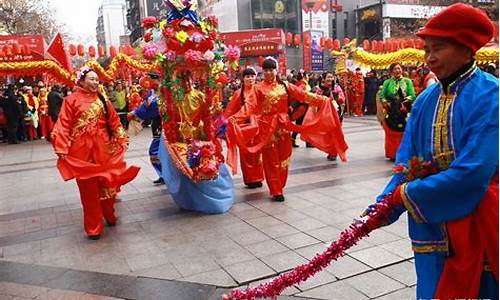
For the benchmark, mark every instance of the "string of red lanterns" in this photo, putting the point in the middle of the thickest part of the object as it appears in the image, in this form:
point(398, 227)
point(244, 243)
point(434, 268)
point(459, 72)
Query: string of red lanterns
point(389, 45)
point(100, 51)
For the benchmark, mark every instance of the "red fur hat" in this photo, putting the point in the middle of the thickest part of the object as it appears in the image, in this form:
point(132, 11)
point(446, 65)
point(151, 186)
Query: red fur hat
point(461, 23)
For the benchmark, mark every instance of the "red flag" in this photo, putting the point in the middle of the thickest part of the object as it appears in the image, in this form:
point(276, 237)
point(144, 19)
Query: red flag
point(57, 52)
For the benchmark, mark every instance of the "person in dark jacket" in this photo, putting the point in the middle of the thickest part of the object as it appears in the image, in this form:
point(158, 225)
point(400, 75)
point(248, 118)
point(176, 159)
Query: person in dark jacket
point(12, 112)
point(54, 100)
point(372, 84)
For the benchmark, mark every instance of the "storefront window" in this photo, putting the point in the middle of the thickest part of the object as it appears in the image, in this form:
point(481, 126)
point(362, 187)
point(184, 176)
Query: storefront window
point(370, 23)
point(276, 14)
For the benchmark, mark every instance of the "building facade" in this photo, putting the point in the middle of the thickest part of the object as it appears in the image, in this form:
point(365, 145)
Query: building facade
point(376, 19)
point(111, 23)
point(137, 10)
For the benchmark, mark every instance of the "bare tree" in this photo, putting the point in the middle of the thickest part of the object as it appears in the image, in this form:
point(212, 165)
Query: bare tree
point(28, 17)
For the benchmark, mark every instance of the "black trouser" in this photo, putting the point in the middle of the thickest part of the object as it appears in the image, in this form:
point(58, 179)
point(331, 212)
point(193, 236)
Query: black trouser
point(298, 122)
point(12, 132)
point(21, 130)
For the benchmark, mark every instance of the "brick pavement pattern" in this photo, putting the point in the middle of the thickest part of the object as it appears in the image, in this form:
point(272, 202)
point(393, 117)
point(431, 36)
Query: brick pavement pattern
point(158, 249)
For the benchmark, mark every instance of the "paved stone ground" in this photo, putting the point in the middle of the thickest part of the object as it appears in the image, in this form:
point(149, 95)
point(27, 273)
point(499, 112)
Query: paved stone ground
point(158, 251)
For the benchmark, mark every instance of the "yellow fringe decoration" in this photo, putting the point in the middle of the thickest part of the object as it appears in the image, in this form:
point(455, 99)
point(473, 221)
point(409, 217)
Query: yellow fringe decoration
point(407, 56)
point(61, 74)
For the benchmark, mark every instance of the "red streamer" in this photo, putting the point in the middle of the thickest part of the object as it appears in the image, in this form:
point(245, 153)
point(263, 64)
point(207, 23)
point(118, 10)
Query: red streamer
point(378, 216)
point(347, 239)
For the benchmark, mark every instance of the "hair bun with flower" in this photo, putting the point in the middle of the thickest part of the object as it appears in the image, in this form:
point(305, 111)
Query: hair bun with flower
point(82, 72)
point(273, 59)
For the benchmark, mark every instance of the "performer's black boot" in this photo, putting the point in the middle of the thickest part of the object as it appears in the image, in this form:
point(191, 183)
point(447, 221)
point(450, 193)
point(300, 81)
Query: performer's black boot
point(278, 198)
point(254, 185)
point(331, 157)
point(159, 181)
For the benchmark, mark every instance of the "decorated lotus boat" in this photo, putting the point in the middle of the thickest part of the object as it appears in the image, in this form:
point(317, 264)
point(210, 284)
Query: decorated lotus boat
point(193, 63)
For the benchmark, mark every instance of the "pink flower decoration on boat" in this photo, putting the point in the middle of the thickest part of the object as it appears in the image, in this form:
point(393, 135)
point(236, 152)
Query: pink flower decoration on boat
point(209, 55)
point(192, 56)
point(232, 53)
point(150, 51)
point(170, 55)
point(197, 37)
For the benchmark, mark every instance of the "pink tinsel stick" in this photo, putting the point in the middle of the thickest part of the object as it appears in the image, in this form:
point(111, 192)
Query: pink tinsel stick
point(347, 239)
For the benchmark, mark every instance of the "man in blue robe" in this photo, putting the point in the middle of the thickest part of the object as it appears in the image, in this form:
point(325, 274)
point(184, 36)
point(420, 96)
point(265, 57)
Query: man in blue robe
point(148, 111)
point(454, 124)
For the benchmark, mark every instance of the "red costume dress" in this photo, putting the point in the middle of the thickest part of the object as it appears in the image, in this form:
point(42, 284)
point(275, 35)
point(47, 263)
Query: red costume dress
point(251, 163)
point(32, 121)
point(45, 120)
point(94, 147)
point(270, 128)
point(358, 94)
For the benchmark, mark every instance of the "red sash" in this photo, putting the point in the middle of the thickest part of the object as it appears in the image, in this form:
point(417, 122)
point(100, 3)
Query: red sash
point(473, 239)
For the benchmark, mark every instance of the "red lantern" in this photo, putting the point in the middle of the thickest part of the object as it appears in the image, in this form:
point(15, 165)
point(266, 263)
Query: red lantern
point(296, 40)
point(92, 51)
point(27, 50)
point(336, 44)
point(121, 49)
point(366, 45)
point(289, 39)
point(322, 42)
point(381, 46)
point(2, 54)
point(416, 43)
point(307, 39)
point(388, 45)
point(373, 47)
point(112, 51)
point(398, 44)
point(72, 50)
point(80, 50)
point(100, 51)
point(346, 41)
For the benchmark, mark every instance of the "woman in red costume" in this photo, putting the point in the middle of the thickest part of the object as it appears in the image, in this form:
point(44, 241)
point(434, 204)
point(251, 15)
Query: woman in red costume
point(332, 90)
point(268, 113)
point(135, 99)
point(90, 142)
point(251, 163)
point(43, 114)
point(32, 103)
point(358, 83)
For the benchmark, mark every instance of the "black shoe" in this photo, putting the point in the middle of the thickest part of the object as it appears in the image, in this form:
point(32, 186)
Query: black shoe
point(94, 237)
point(278, 198)
point(332, 157)
point(309, 145)
point(254, 185)
point(159, 181)
point(111, 224)
point(295, 145)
